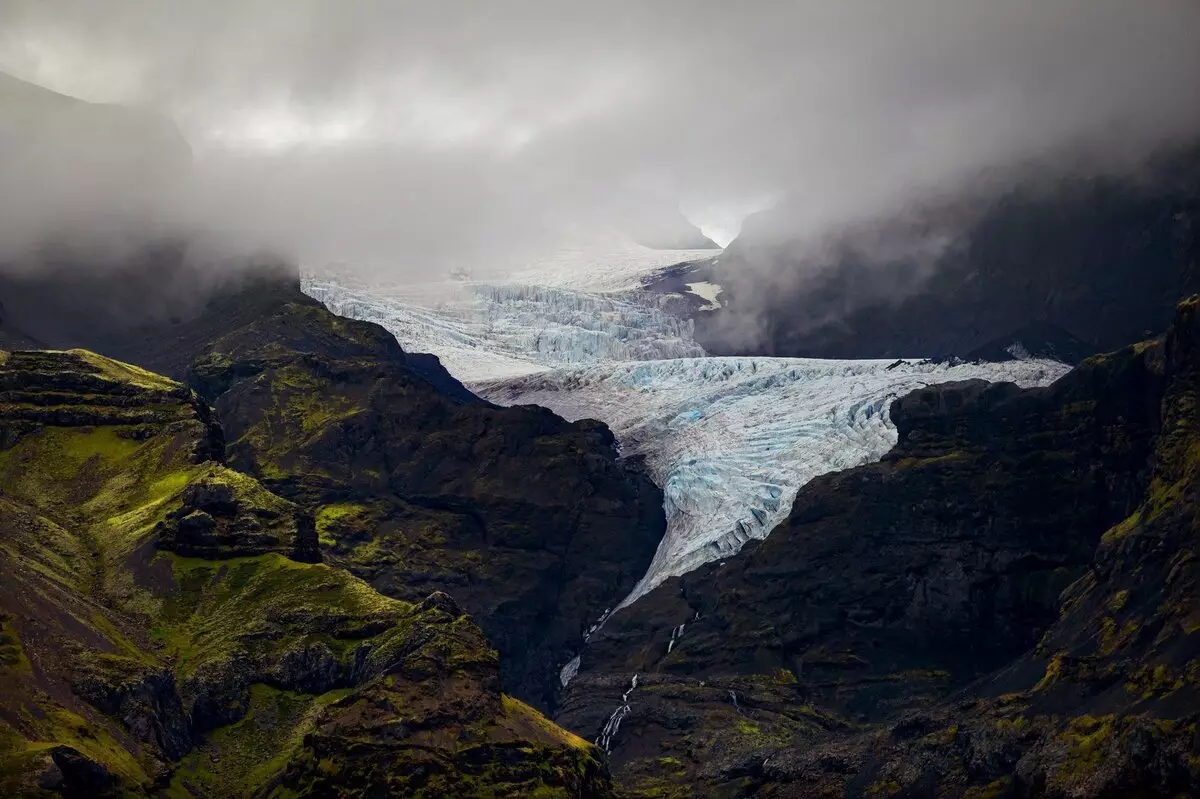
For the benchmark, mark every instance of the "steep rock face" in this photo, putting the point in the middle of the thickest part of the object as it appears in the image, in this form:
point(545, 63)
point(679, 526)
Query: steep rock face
point(1106, 704)
point(220, 668)
point(1103, 259)
point(889, 587)
point(532, 523)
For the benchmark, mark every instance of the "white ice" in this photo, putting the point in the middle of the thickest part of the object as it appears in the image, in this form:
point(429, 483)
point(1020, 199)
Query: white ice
point(729, 440)
point(485, 331)
point(709, 292)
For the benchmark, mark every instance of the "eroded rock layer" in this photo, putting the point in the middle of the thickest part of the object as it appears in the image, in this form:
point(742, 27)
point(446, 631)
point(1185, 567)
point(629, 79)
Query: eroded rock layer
point(165, 631)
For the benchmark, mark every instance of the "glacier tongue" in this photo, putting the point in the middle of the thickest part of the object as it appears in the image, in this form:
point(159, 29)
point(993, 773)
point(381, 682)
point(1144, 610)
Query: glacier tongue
point(731, 440)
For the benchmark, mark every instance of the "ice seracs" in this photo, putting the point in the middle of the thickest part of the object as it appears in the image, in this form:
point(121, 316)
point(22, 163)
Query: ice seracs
point(488, 330)
point(731, 440)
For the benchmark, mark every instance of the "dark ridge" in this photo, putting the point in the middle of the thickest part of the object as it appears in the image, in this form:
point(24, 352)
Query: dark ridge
point(1103, 258)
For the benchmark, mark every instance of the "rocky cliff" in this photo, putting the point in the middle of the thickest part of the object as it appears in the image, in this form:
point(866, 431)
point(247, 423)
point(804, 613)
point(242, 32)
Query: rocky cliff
point(534, 524)
point(1004, 606)
point(165, 629)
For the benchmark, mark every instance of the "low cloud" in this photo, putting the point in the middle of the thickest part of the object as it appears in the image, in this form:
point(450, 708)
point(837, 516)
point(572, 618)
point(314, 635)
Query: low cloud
point(410, 137)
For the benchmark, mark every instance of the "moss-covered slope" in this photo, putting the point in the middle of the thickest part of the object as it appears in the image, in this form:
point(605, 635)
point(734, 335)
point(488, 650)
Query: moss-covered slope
point(531, 522)
point(165, 631)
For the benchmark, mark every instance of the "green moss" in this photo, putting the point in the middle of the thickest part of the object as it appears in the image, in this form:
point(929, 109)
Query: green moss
point(1087, 739)
point(237, 604)
point(524, 714)
point(748, 727)
point(888, 787)
point(784, 676)
point(1054, 672)
point(1149, 682)
point(1013, 725)
point(300, 407)
point(992, 790)
point(13, 662)
point(329, 516)
point(239, 759)
point(61, 727)
point(120, 372)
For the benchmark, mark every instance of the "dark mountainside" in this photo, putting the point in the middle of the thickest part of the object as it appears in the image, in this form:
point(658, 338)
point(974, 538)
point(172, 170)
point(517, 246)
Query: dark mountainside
point(1006, 605)
point(255, 588)
point(165, 631)
point(531, 522)
point(1100, 260)
point(170, 552)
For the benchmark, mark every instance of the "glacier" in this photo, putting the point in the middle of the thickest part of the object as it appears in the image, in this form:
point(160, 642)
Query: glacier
point(492, 330)
point(729, 440)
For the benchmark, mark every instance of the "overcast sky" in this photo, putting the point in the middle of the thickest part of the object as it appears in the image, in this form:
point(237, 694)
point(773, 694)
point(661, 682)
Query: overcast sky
point(418, 133)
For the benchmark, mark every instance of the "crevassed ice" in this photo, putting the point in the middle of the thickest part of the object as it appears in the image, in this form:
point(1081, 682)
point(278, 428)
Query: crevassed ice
point(487, 331)
point(731, 440)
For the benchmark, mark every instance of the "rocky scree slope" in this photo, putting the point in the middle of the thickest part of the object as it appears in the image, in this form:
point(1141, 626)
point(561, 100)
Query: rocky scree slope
point(164, 631)
point(1006, 605)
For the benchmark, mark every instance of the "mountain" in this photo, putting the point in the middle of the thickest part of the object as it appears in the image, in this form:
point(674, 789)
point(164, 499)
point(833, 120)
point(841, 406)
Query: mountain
point(1104, 260)
point(167, 629)
point(731, 440)
point(534, 524)
point(284, 573)
point(78, 171)
point(660, 230)
point(1005, 605)
point(402, 482)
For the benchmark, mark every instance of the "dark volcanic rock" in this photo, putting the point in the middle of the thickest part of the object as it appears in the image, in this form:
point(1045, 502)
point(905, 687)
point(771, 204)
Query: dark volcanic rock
point(534, 524)
point(223, 516)
point(892, 585)
point(159, 635)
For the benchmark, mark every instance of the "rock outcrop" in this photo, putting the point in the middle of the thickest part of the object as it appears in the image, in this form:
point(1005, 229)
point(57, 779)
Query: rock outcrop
point(1004, 606)
point(534, 524)
point(163, 633)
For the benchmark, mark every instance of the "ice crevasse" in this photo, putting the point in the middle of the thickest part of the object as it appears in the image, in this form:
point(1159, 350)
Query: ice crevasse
point(729, 440)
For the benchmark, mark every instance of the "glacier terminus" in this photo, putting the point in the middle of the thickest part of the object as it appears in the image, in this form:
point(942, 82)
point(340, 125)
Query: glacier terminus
point(729, 440)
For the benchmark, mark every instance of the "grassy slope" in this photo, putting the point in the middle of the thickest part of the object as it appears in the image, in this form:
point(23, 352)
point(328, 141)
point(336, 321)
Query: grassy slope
point(195, 677)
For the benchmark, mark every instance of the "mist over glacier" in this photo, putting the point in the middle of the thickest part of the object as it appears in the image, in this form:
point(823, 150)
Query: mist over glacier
point(729, 440)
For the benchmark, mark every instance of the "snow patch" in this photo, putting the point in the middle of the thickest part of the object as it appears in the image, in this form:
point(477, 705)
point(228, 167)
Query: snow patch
point(569, 671)
point(709, 292)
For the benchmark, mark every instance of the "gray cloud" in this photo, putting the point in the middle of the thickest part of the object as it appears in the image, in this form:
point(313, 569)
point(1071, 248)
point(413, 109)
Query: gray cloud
point(412, 135)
